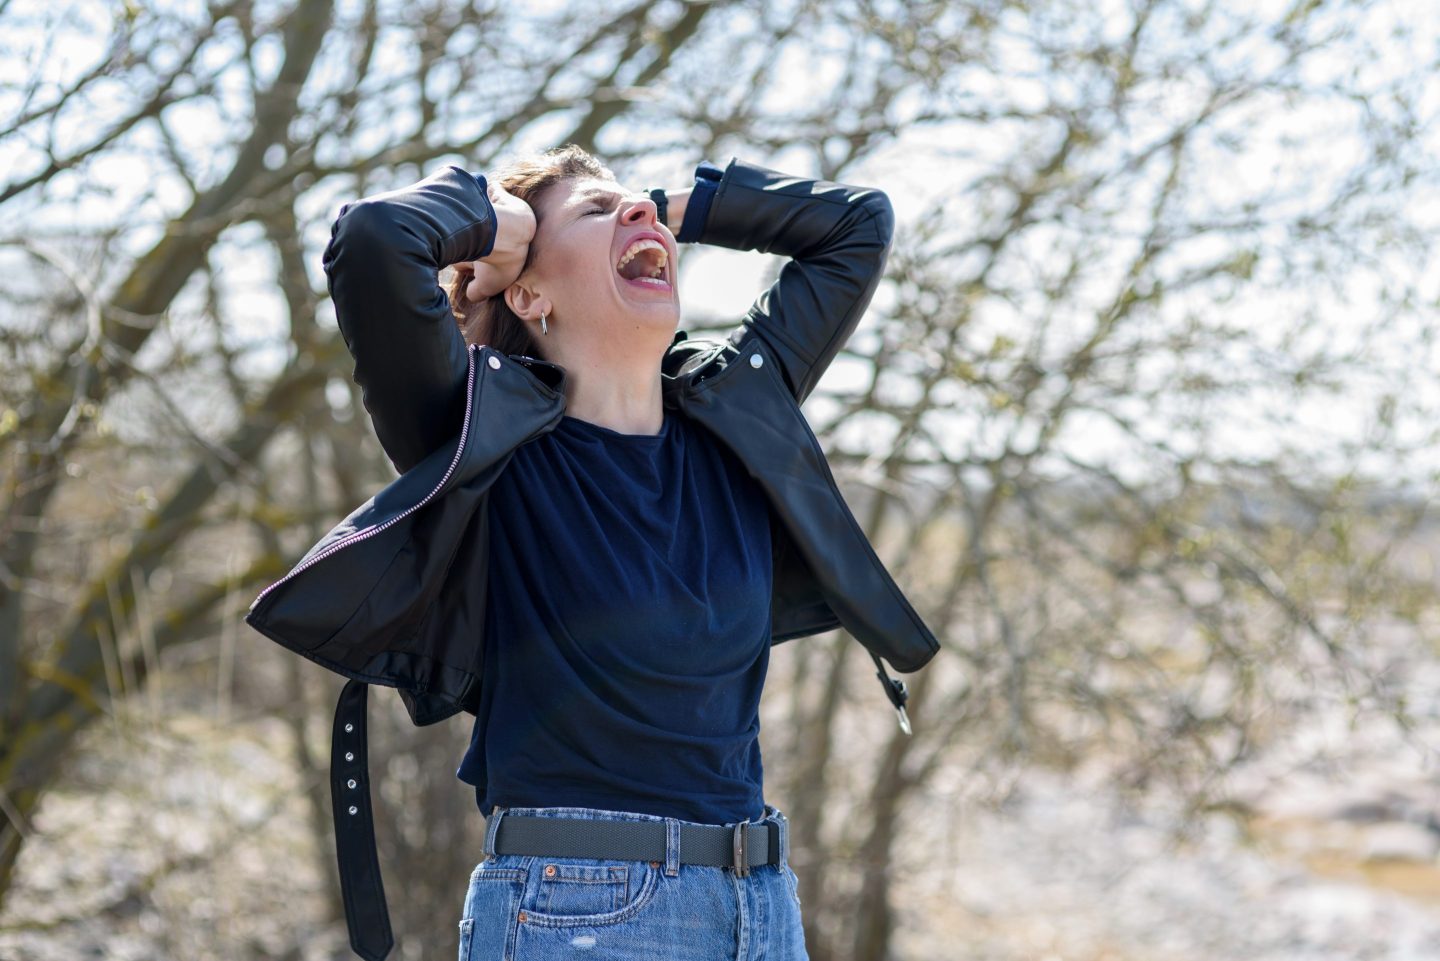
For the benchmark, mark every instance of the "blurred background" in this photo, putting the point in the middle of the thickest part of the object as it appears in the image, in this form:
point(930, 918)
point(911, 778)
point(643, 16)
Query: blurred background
point(1143, 418)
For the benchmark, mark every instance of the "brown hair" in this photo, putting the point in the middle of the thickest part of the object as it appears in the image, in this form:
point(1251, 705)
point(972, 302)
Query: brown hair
point(491, 321)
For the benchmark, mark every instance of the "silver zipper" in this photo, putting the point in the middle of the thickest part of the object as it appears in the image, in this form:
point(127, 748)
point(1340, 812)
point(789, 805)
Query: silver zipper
point(360, 535)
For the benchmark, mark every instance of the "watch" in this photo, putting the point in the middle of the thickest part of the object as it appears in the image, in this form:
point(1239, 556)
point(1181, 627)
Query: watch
point(662, 204)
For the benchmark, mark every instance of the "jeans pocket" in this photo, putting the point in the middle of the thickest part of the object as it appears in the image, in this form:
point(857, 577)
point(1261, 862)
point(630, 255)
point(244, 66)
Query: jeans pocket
point(467, 934)
point(492, 904)
point(589, 891)
point(794, 880)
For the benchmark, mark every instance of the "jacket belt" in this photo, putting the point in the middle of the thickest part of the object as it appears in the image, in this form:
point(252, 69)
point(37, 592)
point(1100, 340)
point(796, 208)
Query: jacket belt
point(366, 914)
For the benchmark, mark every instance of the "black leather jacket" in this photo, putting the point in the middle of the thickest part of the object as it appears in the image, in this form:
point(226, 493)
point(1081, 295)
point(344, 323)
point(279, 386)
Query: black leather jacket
point(394, 594)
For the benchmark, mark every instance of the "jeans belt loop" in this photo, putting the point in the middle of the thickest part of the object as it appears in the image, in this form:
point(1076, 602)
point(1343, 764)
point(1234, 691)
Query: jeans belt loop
point(784, 838)
point(492, 828)
point(672, 847)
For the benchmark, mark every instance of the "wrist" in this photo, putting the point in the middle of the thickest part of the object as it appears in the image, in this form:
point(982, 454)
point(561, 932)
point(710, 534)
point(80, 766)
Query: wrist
point(697, 208)
point(676, 203)
point(490, 215)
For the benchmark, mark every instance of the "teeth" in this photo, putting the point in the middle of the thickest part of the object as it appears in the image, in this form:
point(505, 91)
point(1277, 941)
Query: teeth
point(645, 244)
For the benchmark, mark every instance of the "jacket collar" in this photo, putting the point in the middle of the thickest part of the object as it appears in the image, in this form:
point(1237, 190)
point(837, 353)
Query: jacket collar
point(680, 360)
point(550, 374)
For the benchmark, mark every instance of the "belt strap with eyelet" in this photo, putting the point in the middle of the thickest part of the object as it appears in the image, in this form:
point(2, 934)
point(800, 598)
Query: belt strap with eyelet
point(366, 914)
point(741, 846)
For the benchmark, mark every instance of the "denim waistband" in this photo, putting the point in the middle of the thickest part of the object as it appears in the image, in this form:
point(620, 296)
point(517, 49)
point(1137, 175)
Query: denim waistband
point(672, 825)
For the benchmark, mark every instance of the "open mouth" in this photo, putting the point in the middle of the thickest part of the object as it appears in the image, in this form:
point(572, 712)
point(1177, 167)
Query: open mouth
point(646, 264)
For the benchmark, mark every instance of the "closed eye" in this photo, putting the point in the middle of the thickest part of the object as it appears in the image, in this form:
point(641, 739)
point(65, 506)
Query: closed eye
point(605, 203)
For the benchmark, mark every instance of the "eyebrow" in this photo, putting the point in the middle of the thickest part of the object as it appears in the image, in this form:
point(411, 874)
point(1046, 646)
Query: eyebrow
point(600, 191)
point(588, 194)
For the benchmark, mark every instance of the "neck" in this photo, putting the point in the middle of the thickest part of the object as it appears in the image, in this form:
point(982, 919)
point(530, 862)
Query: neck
point(615, 385)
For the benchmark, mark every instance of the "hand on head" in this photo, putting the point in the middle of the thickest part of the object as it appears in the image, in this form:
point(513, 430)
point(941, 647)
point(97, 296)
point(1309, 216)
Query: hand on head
point(514, 229)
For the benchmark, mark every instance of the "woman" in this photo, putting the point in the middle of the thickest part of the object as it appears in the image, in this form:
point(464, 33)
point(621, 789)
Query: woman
point(598, 531)
point(627, 692)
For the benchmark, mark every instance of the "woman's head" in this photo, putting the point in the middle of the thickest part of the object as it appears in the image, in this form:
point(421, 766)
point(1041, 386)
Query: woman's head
point(584, 220)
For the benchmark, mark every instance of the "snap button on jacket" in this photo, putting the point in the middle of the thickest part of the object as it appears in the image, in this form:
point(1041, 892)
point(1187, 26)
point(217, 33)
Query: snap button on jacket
point(393, 595)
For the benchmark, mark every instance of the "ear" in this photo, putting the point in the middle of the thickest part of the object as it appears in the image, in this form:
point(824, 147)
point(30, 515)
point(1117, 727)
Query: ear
point(526, 303)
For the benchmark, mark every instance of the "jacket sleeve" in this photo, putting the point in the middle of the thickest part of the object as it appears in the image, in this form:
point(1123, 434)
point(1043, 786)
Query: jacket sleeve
point(838, 238)
point(382, 268)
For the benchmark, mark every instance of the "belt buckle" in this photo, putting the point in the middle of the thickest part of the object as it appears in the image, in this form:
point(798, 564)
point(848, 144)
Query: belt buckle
point(741, 850)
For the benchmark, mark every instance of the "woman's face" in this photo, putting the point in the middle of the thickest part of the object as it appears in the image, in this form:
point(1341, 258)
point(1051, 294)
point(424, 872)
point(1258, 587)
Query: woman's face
point(583, 229)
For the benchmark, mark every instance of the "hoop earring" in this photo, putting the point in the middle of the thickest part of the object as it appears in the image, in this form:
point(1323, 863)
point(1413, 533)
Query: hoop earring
point(543, 329)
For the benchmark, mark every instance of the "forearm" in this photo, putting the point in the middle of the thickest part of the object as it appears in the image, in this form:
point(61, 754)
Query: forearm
point(381, 266)
point(675, 208)
point(846, 229)
point(838, 237)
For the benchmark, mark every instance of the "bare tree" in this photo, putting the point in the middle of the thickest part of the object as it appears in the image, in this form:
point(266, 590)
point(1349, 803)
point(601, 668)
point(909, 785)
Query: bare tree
point(1045, 437)
point(299, 132)
point(1046, 428)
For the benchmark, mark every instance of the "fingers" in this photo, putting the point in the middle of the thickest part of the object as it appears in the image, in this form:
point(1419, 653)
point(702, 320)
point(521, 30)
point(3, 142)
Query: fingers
point(464, 272)
point(484, 283)
point(469, 279)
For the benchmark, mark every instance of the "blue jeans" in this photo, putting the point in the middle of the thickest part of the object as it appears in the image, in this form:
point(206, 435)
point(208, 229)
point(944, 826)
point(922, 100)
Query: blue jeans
point(523, 907)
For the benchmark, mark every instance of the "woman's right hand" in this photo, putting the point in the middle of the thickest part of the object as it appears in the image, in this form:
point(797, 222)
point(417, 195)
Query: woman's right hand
point(514, 229)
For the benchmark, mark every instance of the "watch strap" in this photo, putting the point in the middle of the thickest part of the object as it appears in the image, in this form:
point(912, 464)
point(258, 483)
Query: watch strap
point(662, 204)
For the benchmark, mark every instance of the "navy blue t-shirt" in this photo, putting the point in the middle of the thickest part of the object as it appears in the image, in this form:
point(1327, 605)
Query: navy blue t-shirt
point(627, 627)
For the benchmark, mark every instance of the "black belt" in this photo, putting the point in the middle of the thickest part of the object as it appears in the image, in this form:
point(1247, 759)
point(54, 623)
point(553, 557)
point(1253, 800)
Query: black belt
point(741, 846)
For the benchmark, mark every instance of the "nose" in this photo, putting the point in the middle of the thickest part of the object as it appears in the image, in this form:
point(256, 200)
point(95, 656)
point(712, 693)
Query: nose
point(642, 209)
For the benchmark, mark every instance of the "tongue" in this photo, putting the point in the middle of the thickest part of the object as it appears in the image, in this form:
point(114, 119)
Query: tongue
point(641, 265)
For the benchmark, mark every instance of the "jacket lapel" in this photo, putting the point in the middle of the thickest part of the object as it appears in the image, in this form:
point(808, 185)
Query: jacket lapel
point(364, 587)
point(739, 396)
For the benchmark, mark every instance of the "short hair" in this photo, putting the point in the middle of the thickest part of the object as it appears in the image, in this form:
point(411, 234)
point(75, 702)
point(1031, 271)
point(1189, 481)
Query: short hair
point(529, 177)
